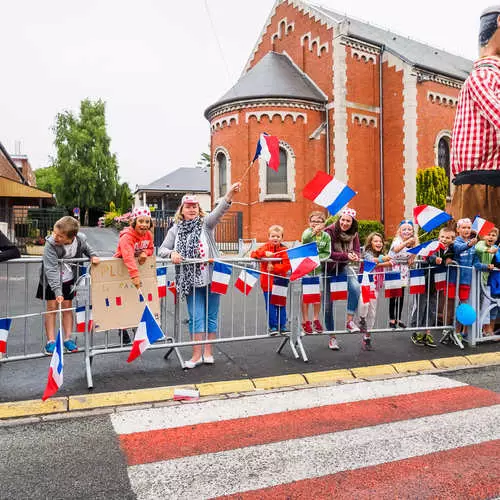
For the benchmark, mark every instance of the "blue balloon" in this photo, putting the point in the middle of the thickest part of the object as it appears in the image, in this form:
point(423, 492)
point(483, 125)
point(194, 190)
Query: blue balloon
point(465, 314)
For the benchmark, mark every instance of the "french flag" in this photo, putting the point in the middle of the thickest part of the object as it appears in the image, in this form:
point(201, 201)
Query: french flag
point(311, 292)
point(55, 378)
point(367, 283)
point(393, 285)
point(338, 288)
point(80, 319)
point(417, 281)
point(148, 332)
point(220, 278)
point(427, 248)
point(279, 291)
point(268, 148)
point(328, 192)
point(303, 260)
point(482, 226)
point(246, 281)
point(429, 217)
point(4, 333)
point(172, 289)
point(161, 278)
point(440, 280)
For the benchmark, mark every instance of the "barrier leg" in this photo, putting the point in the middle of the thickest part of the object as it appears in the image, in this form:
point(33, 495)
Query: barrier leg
point(167, 354)
point(283, 343)
point(88, 371)
point(303, 353)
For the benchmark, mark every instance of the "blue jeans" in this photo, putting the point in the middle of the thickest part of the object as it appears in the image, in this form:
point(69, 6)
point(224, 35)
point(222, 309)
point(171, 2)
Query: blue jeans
point(203, 310)
point(276, 314)
point(353, 291)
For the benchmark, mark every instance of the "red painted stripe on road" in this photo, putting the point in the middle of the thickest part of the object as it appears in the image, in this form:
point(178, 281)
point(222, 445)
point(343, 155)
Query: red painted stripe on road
point(468, 472)
point(164, 444)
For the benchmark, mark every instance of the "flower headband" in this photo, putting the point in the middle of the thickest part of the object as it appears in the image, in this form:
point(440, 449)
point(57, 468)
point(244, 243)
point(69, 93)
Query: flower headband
point(350, 212)
point(463, 221)
point(141, 212)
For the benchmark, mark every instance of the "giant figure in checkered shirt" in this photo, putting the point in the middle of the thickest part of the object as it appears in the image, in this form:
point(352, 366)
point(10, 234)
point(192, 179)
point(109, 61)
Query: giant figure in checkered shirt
point(475, 149)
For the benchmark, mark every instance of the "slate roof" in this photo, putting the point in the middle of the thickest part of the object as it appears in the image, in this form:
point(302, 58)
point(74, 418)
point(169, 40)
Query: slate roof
point(419, 54)
point(184, 179)
point(273, 76)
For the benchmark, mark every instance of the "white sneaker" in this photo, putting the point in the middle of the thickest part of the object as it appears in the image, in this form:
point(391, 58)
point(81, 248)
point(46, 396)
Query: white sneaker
point(333, 344)
point(193, 364)
point(351, 327)
point(208, 360)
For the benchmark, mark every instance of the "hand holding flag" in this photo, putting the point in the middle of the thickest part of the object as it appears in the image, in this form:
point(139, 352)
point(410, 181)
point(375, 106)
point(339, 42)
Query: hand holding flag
point(481, 226)
point(429, 217)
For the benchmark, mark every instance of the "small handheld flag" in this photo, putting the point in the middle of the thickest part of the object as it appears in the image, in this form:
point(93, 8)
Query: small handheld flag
point(55, 378)
point(148, 332)
point(328, 192)
point(338, 287)
point(429, 217)
point(246, 281)
point(161, 277)
point(268, 149)
point(311, 293)
point(220, 278)
point(417, 281)
point(481, 226)
point(279, 291)
point(392, 284)
point(427, 248)
point(4, 333)
point(303, 260)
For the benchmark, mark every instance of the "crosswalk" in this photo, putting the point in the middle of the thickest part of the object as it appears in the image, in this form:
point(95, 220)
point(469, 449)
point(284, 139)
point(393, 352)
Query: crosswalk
point(422, 436)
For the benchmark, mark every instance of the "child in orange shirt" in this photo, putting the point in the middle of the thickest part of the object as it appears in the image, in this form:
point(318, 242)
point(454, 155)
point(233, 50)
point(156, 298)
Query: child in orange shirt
point(273, 248)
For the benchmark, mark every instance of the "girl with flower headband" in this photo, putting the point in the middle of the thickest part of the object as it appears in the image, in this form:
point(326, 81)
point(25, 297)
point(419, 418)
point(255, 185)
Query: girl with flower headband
point(402, 260)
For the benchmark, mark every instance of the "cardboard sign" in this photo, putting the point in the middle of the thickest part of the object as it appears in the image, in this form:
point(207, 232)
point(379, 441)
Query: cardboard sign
point(115, 300)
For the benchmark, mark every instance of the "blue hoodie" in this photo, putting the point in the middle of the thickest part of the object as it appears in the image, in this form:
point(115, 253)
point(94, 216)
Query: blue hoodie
point(464, 255)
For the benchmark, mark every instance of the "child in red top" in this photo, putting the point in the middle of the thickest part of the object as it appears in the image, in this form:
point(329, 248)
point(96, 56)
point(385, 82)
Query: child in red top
point(273, 248)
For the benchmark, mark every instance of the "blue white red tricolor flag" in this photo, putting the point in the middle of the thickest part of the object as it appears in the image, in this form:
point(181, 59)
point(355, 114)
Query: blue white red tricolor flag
point(338, 287)
point(367, 282)
point(148, 332)
point(482, 226)
point(417, 281)
point(161, 278)
point(268, 149)
point(427, 248)
point(279, 291)
point(328, 192)
point(440, 280)
point(246, 281)
point(220, 278)
point(392, 285)
point(4, 333)
point(311, 292)
point(80, 319)
point(172, 288)
point(429, 217)
point(303, 260)
point(55, 378)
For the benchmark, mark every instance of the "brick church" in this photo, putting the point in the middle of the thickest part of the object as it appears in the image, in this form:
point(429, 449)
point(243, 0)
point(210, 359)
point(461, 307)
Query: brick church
point(366, 105)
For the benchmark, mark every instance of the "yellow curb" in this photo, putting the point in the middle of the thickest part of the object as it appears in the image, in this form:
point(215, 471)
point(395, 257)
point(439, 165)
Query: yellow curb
point(328, 376)
point(484, 359)
point(453, 362)
point(225, 387)
point(33, 407)
point(100, 400)
point(373, 371)
point(413, 366)
point(279, 381)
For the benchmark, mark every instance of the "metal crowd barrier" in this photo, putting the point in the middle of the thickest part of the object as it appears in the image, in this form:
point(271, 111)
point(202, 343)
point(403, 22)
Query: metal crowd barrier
point(241, 317)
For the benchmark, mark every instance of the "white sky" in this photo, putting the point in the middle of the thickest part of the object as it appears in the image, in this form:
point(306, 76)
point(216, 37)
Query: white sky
point(158, 65)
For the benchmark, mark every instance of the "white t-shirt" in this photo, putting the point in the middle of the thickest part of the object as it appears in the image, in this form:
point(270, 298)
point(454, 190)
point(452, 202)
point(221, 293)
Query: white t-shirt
point(67, 269)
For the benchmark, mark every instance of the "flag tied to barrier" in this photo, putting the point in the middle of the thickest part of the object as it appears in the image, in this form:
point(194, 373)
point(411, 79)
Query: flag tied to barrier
point(80, 319)
point(482, 226)
point(268, 149)
point(55, 378)
point(440, 280)
point(417, 281)
point(220, 278)
point(338, 287)
point(303, 260)
point(311, 292)
point(246, 280)
point(4, 333)
point(279, 291)
point(393, 285)
point(328, 192)
point(367, 282)
point(429, 217)
point(148, 332)
point(426, 249)
point(161, 278)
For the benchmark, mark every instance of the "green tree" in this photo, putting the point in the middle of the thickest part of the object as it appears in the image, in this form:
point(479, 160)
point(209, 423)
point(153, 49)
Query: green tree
point(87, 170)
point(47, 179)
point(124, 198)
point(204, 160)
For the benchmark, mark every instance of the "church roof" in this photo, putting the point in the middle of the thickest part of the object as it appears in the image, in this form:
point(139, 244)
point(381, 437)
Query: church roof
point(184, 179)
point(275, 75)
point(416, 53)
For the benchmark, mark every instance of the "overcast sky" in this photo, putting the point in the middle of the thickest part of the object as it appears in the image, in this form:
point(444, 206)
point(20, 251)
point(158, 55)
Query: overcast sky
point(158, 64)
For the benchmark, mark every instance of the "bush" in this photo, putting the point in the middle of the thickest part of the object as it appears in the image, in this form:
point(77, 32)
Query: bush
point(365, 227)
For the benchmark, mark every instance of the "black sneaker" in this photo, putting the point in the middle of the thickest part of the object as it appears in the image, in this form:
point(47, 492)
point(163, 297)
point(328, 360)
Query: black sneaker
point(362, 325)
point(125, 337)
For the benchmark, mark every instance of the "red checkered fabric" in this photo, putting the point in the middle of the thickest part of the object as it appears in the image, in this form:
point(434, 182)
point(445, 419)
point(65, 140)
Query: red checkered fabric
point(475, 140)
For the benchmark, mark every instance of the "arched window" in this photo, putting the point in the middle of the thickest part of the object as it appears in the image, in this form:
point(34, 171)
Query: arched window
point(277, 182)
point(443, 155)
point(221, 162)
point(222, 170)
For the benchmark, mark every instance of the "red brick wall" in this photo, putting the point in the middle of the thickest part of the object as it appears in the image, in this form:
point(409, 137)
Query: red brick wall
point(7, 170)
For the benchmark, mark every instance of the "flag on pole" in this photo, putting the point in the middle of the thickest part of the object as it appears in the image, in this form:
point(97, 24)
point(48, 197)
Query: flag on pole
point(55, 378)
point(303, 259)
point(482, 226)
point(4, 333)
point(417, 281)
point(338, 287)
point(311, 292)
point(246, 280)
point(440, 280)
point(80, 319)
point(328, 192)
point(279, 291)
point(268, 148)
point(427, 248)
point(220, 278)
point(161, 277)
point(393, 285)
point(429, 217)
point(148, 332)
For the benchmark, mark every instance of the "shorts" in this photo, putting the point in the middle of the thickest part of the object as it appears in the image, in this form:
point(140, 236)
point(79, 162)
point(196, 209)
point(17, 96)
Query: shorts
point(67, 291)
point(463, 291)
